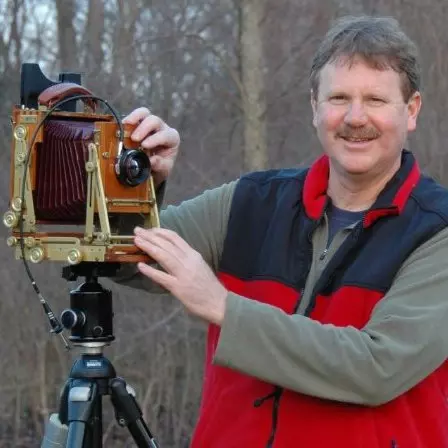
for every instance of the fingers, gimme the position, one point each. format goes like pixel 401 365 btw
pixel 166 259
pixel 160 135
pixel 137 115
pixel 162 278
pixel 163 238
pixel 148 124
pixel 166 255
pixel 151 131
pixel 155 136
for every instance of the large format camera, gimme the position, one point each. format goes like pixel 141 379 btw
pixel 74 175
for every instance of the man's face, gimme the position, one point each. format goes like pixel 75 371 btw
pixel 361 117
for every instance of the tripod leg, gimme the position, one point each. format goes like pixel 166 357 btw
pixel 76 433
pixel 55 433
pixel 129 414
pixel 84 407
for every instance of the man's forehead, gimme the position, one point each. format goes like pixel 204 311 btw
pixel 346 72
pixel 342 64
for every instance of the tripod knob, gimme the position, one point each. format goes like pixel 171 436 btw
pixel 98 331
pixel 72 318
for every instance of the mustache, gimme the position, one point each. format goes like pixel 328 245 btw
pixel 365 133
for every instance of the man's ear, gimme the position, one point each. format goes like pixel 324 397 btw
pixel 313 106
pixel 414 106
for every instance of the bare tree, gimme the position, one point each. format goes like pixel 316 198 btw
pixel 93 39
pixel 66 34
pixel 253 84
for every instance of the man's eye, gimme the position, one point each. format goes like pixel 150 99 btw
pixel 376 100
pixel 338 99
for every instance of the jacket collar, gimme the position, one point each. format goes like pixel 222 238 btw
pixel 391 200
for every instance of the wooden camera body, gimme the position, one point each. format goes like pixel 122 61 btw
pixel 69 173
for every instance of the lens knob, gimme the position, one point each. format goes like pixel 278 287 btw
pixel 72 318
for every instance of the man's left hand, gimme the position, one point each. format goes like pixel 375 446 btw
pixel 187 276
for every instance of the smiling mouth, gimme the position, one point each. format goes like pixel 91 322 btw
pixel 357 140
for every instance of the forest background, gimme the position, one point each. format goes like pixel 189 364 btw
pixel 232 77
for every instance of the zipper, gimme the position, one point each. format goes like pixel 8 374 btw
pixel 275 395
pixel 323 254
pixel 278 391
pixel 355 235
pixel 299 299
pixel 275 407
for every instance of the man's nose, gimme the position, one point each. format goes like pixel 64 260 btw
pixel 356 114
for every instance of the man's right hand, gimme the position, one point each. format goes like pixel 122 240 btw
pixel 160 140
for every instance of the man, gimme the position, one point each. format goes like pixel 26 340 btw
pixel 325 288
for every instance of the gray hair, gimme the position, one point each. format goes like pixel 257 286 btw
pixel 379 41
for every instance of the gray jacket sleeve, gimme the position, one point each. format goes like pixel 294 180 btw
pixel 201 222
pixel 405 340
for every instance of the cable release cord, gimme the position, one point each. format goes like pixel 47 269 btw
pixel 55 325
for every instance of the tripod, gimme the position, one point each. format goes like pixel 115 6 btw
pixel 79 423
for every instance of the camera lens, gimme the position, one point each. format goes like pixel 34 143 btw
pixel 133 167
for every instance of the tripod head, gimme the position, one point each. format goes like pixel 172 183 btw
pixel 79 421
pixel 90 315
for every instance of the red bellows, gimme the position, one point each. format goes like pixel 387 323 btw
pixel 61 181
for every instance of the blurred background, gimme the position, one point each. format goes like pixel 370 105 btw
pixel 232 77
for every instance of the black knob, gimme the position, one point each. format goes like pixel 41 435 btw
pixel 72 318
pixel 98 331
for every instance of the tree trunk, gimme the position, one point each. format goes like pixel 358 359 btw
pixel 66 35
pixel 94 54
pixel 254 99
